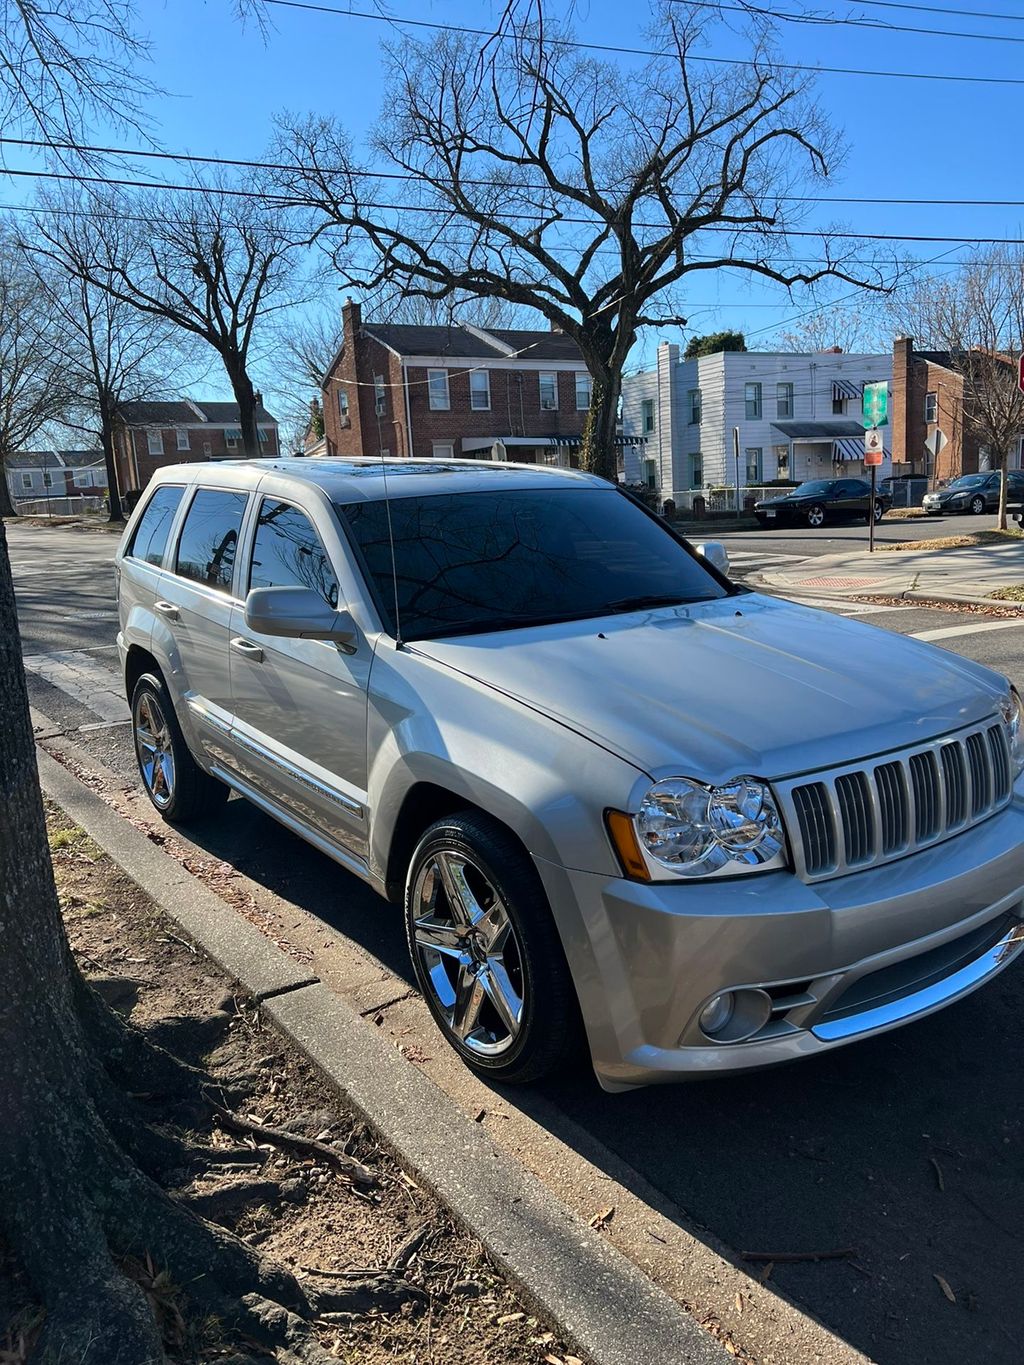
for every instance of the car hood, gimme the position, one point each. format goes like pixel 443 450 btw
pixel 744 685
pixel 786 498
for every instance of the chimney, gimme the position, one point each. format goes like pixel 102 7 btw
pixel 351 318
pixel 257 398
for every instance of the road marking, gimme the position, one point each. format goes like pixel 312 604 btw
pixel 951 631
pixel 84 679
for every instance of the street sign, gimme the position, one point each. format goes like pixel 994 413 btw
pixel 874 451
pixel 875 405
pixel 936 442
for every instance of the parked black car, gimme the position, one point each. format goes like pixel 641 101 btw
pixel 821 500
pixel 974 493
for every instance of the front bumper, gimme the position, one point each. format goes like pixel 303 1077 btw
pixel 845 959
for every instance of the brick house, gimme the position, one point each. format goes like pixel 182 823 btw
pixel 928 394
pixel 33 475
pixel 454 391
pixel 150 435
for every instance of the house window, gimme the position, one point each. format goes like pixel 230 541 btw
pixel 47 479
pixel 651 473
pixel 784 400
pixel 155 441
pixel 443 450
pixel 753 475
pixel 231 440
pixel 931 407
pixel 697 471
pixel 437 388
pixel 82 478
pixel 752 401
pixel 782 460
pixel 695 407
pixel 838 404
pixel 583 391
pixel 548 391
pixel 479 390
pixel 26 480
pixel 343 403
pixel 647 415
pixel 182 435
pixel 380 395
pixel 207 449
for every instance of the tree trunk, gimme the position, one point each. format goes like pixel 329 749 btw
pixel 599 450
pixel 245 397
pixel 107 442
pixel 7 507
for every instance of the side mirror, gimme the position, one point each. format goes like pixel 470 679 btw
pixel 716 554
pixel 297 614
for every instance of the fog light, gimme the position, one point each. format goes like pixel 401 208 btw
pixel 716 1013
pixel 735 1016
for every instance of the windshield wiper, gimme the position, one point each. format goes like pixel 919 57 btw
pixel 651 600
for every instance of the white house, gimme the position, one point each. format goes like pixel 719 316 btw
pixel 797 417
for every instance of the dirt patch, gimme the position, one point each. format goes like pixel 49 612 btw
pixel 71 523
pixel 297 1204
pixel 959 542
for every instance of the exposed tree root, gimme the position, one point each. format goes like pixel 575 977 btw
pixel 231 1200
pixel 279 1137
pixel 193 1037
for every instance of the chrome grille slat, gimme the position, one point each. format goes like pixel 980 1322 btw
pixel 871 813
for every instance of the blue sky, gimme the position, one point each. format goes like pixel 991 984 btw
pixel 906 138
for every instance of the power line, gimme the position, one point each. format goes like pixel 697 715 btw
pixel 939 9
pixel 647 52
pixel 834 19
pixel 277 200
pixel 239 163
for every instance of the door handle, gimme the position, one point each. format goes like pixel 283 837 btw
pixel 167 609
pixel 247 649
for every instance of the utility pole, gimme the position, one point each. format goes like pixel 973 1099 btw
pixel 736 458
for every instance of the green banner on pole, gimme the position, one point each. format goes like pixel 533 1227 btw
pixel 875 405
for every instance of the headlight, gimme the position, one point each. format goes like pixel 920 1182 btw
pixel 696 831
pixel 1013 718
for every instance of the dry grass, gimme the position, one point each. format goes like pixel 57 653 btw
pixel 1013 593
pixel 965 541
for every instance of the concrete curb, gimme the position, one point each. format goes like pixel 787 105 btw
pixel 568 1274
pixel 965 598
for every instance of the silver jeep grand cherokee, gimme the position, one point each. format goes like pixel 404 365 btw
pixel 610 787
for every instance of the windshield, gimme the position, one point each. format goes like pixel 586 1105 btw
pixel 969 481
pixel 473 562
pixel 817 488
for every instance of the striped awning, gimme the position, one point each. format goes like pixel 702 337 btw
pixel 235 433
pixel 843 388
pixel 851 450
pixel 574 441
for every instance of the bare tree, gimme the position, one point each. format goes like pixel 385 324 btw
pixel 977 317
pixel 569 186
pixel 63 64
pixel 848 327
pixel 112 353
pixel 214 262
pixel 33 384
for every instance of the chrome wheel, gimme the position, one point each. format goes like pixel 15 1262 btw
pixel 815 516
pixel 978 506
pixel 469 953
pixel 153 744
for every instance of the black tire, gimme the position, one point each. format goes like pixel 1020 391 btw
pixel 550 1029
pixel 815 516
pixel 190 794
pixel 977 505
pixel 879 512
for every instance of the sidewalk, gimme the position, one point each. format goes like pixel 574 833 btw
pixel 975 572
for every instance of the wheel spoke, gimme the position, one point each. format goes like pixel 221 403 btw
pixel 462 903
pixel 494 926
pixel 502 994
pixel 442 938
pixel 469 999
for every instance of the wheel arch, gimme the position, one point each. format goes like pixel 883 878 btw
pixel 138 661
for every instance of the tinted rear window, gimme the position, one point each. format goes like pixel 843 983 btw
pixel 493 561
pixel 150 539
pixel 209 537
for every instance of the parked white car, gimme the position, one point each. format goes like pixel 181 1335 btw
pixel 609 787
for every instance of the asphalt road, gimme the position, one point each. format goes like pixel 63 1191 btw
pixel 908 1149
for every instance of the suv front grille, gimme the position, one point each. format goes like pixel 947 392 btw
pixel 872 813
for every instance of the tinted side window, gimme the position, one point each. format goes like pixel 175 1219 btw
pixel 150 539
pixel 287 552
pixel 209 537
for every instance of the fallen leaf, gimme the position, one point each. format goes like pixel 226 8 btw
pixel 553 1360
pixel 944 1286
pixel 602 1219
pixel 739 1302
pixel 510 1317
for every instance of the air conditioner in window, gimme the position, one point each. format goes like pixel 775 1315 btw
pixel 380 407
pixel 345 423
pixel 548 405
